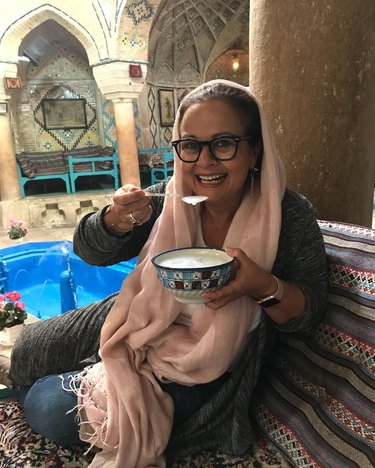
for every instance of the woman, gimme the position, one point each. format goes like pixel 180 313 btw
pixel 165 365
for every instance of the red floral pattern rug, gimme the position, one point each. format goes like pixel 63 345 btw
pixel 20 447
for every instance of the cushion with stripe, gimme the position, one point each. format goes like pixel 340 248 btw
pixel 91 152
pixel 26 166
pixel 318 395
pixel 41 163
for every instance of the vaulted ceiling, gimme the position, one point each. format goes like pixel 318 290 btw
pixel 186 38
pixel 188 35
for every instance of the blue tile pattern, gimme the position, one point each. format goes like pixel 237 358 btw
pixel 109 126
pixel 194 279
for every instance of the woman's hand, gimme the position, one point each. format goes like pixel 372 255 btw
pixel 250 280
pixel 130 207
pixel 247 280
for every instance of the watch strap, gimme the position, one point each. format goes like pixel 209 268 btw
pixel 274 298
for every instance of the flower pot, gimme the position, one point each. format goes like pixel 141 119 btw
pixel 17 240
pixel 9 335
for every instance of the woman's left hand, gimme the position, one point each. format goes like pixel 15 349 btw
pixel 248 279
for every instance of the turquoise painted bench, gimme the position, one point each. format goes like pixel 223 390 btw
pixel 147 158
pixel 102 165
pixel 33 166
pixel 94 160
pixel 23 180
pixel 162 171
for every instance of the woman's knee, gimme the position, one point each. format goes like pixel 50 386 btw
pixel 50 409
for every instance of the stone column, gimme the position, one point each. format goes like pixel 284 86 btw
pixel 127 141
pixel 9 184
pixel 115 83
pixel 312 65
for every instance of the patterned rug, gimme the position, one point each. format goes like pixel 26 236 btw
pixel 20 447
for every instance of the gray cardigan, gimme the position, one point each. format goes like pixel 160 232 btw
pixel 71 341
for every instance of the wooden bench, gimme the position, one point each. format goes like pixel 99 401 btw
pixel 91 166
pixel 95 160
pixel 162 171
pixel 41 166
pixel 148 158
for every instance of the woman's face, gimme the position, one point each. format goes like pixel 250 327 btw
pixel 221 181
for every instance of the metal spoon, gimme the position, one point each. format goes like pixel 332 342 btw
pixel 190 199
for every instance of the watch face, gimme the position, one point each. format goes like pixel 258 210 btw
pixel 270 302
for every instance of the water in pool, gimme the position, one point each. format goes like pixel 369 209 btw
pixel 42 272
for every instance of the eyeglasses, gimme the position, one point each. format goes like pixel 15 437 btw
pixel 222 148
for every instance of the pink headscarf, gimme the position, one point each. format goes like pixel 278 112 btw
pixel 122 407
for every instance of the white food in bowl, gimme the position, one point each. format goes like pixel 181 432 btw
pixel 188 272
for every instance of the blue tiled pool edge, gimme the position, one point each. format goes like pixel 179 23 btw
pixel 35 267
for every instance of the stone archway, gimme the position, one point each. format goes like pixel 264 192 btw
pixel 9 46
pixel 13 35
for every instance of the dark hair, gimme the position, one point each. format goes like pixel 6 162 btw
pixel 236 97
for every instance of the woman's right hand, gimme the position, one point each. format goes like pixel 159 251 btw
pixel 130 207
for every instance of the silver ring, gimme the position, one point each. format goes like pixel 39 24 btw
pixel 133 220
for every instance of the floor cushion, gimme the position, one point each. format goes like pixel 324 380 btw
pixel 318 395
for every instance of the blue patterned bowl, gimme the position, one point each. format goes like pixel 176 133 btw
pixel 190 271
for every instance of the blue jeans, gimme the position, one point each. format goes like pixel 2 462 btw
pixel 46 404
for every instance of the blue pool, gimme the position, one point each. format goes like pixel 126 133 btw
pixel 42 271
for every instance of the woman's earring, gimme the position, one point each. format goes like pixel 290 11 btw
pixel 253 175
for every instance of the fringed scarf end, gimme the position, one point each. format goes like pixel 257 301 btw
pixel 92 422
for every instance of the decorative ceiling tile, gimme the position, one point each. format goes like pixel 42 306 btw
pixel 227 14
pixel 244 18
pixel 217 26
pixel 192 12
pixel 165 75
pixel 197 25
pixel 189 75
pixel 178 9
pixel 235 4
pixel 181 22
pixel 132 42
pixel 140 10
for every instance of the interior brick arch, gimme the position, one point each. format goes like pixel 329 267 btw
pixel 11 39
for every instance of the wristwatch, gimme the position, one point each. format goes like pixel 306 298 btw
pixel 274 298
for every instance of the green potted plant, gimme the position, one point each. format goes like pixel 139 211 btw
pixel 16 230
pixel 12 317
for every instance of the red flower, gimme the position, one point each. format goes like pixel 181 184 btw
pixel 12 310
pixel 13 296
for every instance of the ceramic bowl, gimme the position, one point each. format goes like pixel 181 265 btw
pixel 190 271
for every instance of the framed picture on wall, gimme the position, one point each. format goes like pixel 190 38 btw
pixel 166 107
pixel 64 113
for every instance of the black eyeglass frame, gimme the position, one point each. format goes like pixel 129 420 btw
pixel 208 143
